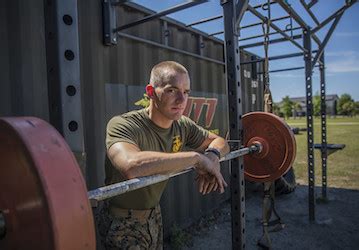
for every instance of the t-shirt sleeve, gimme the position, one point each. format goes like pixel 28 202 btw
pixel 119 130
pixel 195 134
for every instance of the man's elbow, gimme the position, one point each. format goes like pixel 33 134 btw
pixel 131 170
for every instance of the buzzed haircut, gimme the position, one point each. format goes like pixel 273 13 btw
pixel 166 72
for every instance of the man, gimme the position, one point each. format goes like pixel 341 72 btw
pixel 149 141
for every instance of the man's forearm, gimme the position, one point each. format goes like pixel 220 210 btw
pixel 147 163
pixel 221 145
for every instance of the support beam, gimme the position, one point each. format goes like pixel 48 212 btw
pixel 159 14
pixel 204 20
pixel 275 27
pixel 310 134
pixel 220 16
pixel 297 18
pixel 312 3
pixel 311 14
pixel 275 58
pixel 326 39
pixel 286 69
pixel 63 74
pixel 329 19
pixel 279 40
pixel 259 23
pixel 270 34
pixel 323 111
pixel 232 59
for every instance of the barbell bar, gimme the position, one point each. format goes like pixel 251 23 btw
pixel 43 194
pixel 112 190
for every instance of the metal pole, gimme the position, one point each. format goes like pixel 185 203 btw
pixel 159 14
pixel 259 23
pixel 275 27
pixel 113 190
pixel 135 38
pixel 204 20
pixel 232 59
pixel 286 69
pixel 326 39
pixel 297 18
pixel 310 135
pixel 309 12
pixel 326 21
pixel 272 33
pixel 276 57
pixel 323 108
pixel 63 74
pixel 279 40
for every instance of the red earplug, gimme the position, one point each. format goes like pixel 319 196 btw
pixel 150 90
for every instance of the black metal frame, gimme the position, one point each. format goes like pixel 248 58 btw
pixel 323 112
pixel 64 75
pixel 307 43
pixel 232 16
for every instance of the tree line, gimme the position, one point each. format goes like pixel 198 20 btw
pixel 288 108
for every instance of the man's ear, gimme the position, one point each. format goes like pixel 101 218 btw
pixel 150 91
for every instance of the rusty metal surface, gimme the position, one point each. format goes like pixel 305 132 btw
pixel 43 195
pixel 278 142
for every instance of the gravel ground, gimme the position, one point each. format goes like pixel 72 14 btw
pixel 336 225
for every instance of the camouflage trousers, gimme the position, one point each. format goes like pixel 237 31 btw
pixel 135 229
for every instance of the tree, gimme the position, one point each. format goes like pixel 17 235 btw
pixel 356 108
pixel 287 106
pixel 276 109
pixel 345 105
pixel 297 107
pixel 316 105
pixel 348 108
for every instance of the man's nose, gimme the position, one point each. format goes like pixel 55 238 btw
pixel 180 97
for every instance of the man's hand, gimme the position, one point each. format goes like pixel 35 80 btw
pixel 206 183
pixel 209 175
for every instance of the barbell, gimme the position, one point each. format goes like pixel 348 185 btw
pixel 44 203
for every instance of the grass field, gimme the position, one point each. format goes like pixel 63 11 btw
pixel 343 165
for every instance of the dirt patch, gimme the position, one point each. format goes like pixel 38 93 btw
pixel 336 225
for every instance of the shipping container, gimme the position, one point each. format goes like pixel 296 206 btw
pixel 112 80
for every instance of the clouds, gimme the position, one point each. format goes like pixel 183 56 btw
pixel 285 75
pixel 343 61
pixel 347 34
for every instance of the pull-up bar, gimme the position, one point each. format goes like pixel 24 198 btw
pixel 159 14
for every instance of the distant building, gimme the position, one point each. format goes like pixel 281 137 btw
pixel 331 102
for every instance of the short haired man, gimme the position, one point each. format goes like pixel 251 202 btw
pixel 150 141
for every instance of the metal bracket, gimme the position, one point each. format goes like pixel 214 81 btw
pixel 109 22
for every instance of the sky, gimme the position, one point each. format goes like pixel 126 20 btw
pixel 341 52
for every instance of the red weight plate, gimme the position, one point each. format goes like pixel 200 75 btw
pixel 43 196
pixel 278 142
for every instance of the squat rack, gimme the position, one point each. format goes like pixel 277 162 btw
pixel 64 67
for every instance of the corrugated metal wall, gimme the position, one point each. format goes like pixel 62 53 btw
pixel 113 79
pixel 23 83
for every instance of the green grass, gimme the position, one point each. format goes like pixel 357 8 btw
pixel 343 165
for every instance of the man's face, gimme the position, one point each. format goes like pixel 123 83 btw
pixel 172 98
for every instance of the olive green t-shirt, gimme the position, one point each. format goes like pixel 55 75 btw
pixel 136 127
